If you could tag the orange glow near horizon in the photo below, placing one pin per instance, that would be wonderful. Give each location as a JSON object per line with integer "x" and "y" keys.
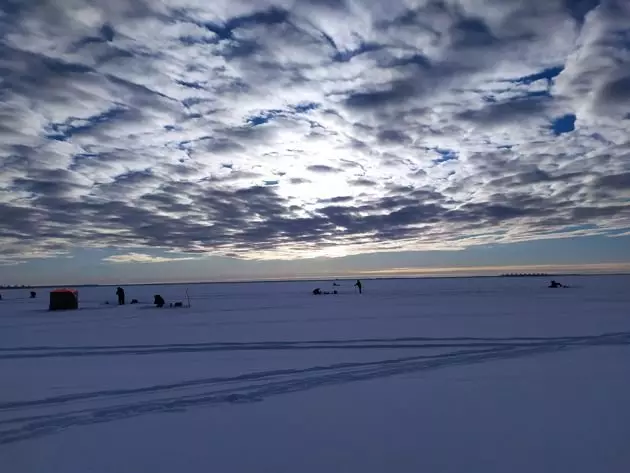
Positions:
{"x": 595, "y": 268}
{"x": 463, "y": 271}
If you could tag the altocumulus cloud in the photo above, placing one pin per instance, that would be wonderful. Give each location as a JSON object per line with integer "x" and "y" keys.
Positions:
{"x": 288, "y": 129}
{"x": 141, "y": 258}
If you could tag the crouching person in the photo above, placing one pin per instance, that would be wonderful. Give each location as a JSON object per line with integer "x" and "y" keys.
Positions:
{"x": 158, "y": 300}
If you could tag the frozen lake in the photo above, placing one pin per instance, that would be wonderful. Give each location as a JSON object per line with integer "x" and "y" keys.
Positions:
{"x": 426, "y": 375}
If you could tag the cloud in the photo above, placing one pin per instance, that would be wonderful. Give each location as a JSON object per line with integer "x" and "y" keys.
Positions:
{"x": 615, "y": 181}
{"x": 141, "y": 258}
{"x": 278, "y": 129}
{"x": 392, "y": 93}
{"x": 362, "y": 182}
{"x": 321, "y": 169}
{"x": 299, "y": 180}
{"x": 507, "y": 112}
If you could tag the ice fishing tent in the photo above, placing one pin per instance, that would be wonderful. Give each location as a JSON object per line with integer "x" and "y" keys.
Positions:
{"x": 64, "y": 299}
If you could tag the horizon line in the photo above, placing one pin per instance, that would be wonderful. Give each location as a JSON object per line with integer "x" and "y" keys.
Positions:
{"x": 592, "y": 269}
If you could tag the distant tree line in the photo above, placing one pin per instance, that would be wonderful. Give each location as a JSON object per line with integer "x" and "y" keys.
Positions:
{"x": 525, "y": 275}
{"x": 14, "y": 286}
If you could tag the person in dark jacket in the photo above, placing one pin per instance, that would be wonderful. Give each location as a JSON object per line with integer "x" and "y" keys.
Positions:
{"x": 158, "y": 300}
{"x": 120, "y": 292}
{"x": 359, "y": 285}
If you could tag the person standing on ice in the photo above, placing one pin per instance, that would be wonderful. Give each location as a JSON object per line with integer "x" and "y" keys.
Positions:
{"x": 359, "y": 285}
{"x": 120, "y": 292}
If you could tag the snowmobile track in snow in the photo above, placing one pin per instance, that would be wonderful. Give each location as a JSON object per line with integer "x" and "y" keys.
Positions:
{"x": 23, "y": 420}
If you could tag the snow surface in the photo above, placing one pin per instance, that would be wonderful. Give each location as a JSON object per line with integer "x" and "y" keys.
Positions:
{"x": 428, "y": 375}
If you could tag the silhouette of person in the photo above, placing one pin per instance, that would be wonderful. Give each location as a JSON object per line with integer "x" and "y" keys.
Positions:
{"x": 359, "y": 285}
{"x": 158, "y": 300}
{"x": 120, "y": 292}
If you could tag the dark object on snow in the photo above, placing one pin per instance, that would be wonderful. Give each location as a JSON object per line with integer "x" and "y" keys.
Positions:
{"x": 120, "y": 292}
{"x": 159, "y": 300}
{"x": 33, "y": 294}
{"x": 555, "y": 284}
{"x": 319, "y": 292}
{"x": 335, "y": 284}
{"x": 0, "y": 297}
{"x": 178, "y": 304}
{"x": 134, "y": 301}
{"x": 64, "y": 299}
{"x": 360, "y": 286}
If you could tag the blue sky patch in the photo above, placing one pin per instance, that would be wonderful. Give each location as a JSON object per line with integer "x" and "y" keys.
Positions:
{"x": 306, "y": 107}
{"x": 73, "y": 125}
{"x": 445, "y": 155}
{"x": 347, "y": 54}
{"x": 563, "y": 124}
{"x": 263, "y": 117}
{"x": 549, "y": 74}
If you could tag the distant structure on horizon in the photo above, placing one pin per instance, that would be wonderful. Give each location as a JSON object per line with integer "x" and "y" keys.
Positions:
{"x": 7, "y": 286}
{"x": 525, "y": 275}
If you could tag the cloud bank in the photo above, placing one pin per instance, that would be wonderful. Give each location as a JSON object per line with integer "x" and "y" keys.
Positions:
{"x": 141, "y": 258}
{"x": 290, "y": 129}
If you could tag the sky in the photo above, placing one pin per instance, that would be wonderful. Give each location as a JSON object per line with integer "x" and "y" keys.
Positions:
{"x": 187, "y": 140}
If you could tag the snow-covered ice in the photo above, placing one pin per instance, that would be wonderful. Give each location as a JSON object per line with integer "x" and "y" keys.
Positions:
{"x": 426, "y": 375}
